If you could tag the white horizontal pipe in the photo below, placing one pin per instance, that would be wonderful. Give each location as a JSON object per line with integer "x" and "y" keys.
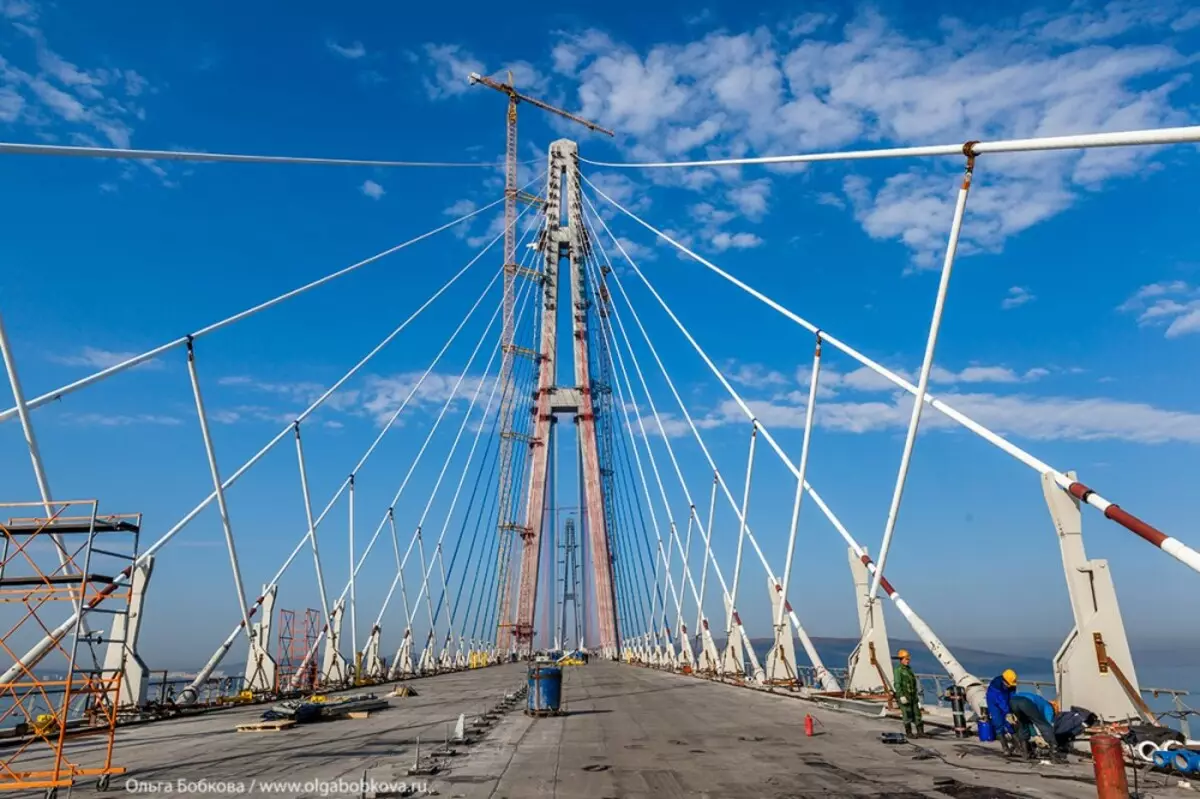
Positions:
{"x": 24, "y": 148}
{"x": 1075, "y": 142}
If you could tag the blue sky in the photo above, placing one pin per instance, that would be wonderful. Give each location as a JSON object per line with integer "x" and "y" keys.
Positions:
{"x": 1071, "y": 327}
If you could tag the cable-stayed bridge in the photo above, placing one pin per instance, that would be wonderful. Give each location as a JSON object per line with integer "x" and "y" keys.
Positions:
{"x": 561, "y": 506}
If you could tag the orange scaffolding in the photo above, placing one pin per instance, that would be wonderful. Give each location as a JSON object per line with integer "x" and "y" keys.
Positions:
{"x": 51, "y": 568}
{"x": 294, "y": 645}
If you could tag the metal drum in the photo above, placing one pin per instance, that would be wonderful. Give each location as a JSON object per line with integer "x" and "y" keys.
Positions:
{"x": 545, "y": 690}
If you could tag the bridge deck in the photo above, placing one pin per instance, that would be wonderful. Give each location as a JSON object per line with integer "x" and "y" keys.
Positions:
{"x": 628, "y": 732}
{"x": 634, "y": 732}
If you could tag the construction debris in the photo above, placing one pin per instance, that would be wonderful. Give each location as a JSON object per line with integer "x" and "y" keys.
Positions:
{"x": 274, "y": 725}
{"x": 403, "y": 690}
{"x": 322, "y": 708}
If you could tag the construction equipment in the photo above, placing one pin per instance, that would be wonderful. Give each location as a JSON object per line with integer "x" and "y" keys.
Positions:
{"x": 508, "y": 522}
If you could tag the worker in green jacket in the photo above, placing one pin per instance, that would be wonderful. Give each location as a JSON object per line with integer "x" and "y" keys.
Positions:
{"x": 904, "y": 683}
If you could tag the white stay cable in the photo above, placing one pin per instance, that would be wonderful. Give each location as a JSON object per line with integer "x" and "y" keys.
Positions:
{"x": 408, "y": 398}
{"x": 739, "y": 510}
{"x": 704, "y": 531}
{"x": 389, "y": 513}
{"x": 522, "y": 296}
{"x": 664, "y": 552}
{"x": 675, "y": 393}
{"x": 410, "y": 611}
{"x": 919, "y": 626}
{"x": 425, "y": 593}
{"x": 312, "y": 527}
{"x": 129, "y": 363}
{"x": 521, "y": 301}
{"x": 1172, "y": 546}
{"x": 620, "y": 363}
{"x": 41, "y": 648}
{"x": 412, "y": 468}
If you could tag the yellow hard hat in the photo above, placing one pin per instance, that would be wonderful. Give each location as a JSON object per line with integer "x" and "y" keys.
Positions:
{"x": 1010, "y": 677}
{"x": 902, "y": 654}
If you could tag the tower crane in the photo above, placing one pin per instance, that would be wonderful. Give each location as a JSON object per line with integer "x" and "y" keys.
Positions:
{"x": 511, "y": 194}
{"x": 510, "y": 150}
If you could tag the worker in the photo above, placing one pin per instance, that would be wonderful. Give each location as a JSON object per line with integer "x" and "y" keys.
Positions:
{"x": 999, "y": 696}
{"x": 1047, "y": 708}
{"x": 1029, "y": 715}
{"x": 1069, "y": 725}
{"x": 905, "y": 685}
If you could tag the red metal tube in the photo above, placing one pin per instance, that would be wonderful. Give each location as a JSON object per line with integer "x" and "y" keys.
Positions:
{"x": 1109, "y": 762}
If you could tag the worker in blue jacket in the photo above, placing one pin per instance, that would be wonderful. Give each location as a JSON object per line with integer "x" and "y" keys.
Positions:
{"x": 999, "y": 706}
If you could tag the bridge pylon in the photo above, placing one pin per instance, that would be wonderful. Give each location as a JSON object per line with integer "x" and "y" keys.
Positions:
{"x": 564, "y": 241}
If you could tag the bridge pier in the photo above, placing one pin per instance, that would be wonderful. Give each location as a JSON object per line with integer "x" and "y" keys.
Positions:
{"x": 870, "y": 663}
{"x": 122, "y": 650}
{"x": 261, "y": 669}
{"x": 1094, "y": 667}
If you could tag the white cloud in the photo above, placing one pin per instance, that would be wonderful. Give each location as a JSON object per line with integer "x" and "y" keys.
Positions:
{"x": 56, "y": 99}
{"x": 808, "y": 23}
{"x": 18, "y": 9}
{"x": 372, "y": 189}
{"x": 353, "y": 51}
{"x": 376, "y": 398}
{"x": 96, "y": 358}
{"x": 1016, "y": 297}
{"x": 869, "y": 83}
{"x": 1189, "y": 20}
{"x": 381, "y": 396}
{"x": 1031, "y": 417}
{"x": 451, "y": 64}
{"x": 1173, "y": 304}
{"x": 635, "y": 251}
{"x": 830, "y": 199}
{"x": 751, "y": 198}
{"x": 119, "y": 420}
{"x": 736, "y": 241}
{"x": 755, "y": 375}
{"x": 460, "y": 208}
{"x": 621, "y": 188}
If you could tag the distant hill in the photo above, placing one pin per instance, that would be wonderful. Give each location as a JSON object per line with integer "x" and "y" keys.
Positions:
{"x": 835, "y": 652}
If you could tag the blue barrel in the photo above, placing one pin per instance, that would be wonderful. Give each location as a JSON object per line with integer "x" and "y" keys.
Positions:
{"x": 545, "y": 690}
{"x": 986, "y": 733}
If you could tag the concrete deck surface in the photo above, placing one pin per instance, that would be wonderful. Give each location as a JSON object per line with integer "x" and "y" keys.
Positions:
{"x": 207, "y": 749}
{"x": 635, "y": 732}
{"x": 628, "y": 732}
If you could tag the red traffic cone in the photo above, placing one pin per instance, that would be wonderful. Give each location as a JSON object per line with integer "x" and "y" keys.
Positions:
{"x": 808, "y": 725}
